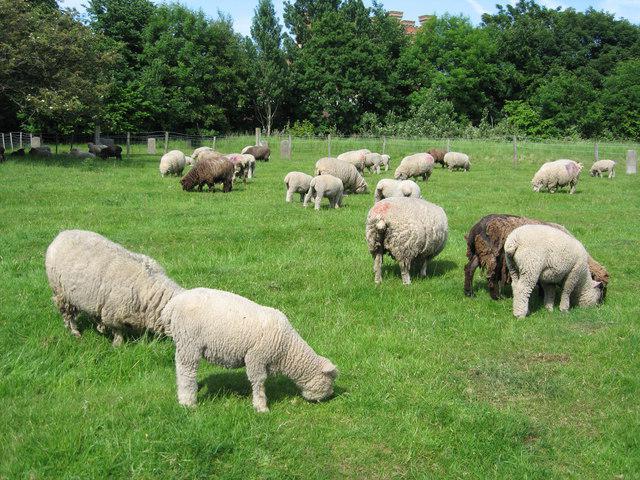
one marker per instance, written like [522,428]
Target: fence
[516,150]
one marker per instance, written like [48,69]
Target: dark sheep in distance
[259,152]
[18,153]
[2,158]
[485,249]
[108,151]
[438,155]
[208,172]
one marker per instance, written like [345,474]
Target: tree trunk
[269,118]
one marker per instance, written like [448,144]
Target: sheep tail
[381,230]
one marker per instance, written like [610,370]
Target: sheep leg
[118,338]
[494,282]
[573,187]
[405,271]
[339,200]
[186,373]
[549,295]
[227,186]
[612,173]
[569,286]
[257,375]
[469,271]
[522,289]
[69,313]
[319,195]
[289,196]
[423,268]
[308,197]
[377,267]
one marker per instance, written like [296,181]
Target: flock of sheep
[122,290]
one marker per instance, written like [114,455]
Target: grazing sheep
[259,152]
[240,166]
[232,331]
[457,161]
[188,160]
[409,229]
[199,151]
[208,172]
[438,155]
[111,151]
[385,160]
[372,162]
[2,157]
[355,158]
[18,153]
[388,188]
[351,178]
[76,153]
[541,253]
[325,186]
[297,182]
[603,166]
[557,174]
[485,249]
[172,163]
[250,161]
[95,148]
[418,165]
[43,151]
[91,274]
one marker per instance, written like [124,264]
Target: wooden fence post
[96,135]
[258,136]
[3,145]
[166,141]
[128,145]
[632,162]
[11,140]
[20,139]
[214,143]
[515,151]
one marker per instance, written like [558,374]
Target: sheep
[240,166]
[111,151]
[603,166]
[457,160]
[172,162]
[95,148]
[409,229]
[372,162]
[18,153]
[438,155]
[198,151]
[387,188]
[208,172]
[2,157]
[355,158]
[485,249]
[43,151]
[232,331]
[418,165]
[91,274]
[541,253]
[251,164]
[325,186]
[557,174]
[188,160]
[259,152]
[76,153]
[385,160]
[351,178]
[297,182]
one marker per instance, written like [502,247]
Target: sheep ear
[329,368]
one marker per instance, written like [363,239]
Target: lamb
[387,188]
[385,160]
[297,182]
[438,155]
[351,178]
[355,158]
[409,229]
[232,331]
[557,174]
[208,172]
[172,163]
[325,186]
[259,152]
[76,153]
[251,164]
[543,253]
[485,249]
[418,165]
[43,151]
[239,165]
[603,166]
[91,274]
[188,160]
[372,162]
[457,161]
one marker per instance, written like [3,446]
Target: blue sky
[242,10]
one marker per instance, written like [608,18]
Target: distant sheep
[199,151]
[388,188]
[232,331]
[172,163]
[351,178]
[602,166]
[540,253]
[188,160]
[557,174]
[111,151]
[17,153]
[325,186]
[259,152]
[95,148]
[2,157]
[418,165]
[355,158]
[121,289]
[409,229]
[209,172]
[43,151]
[457,161]
[438,155]
[297,182]
[384,160]
[76,153]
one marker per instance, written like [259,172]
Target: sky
[242,10]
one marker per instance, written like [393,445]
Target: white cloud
[629,9]
[475,5]
[552,4]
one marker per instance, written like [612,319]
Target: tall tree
[270,69]
[300,15]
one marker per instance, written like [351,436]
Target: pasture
[432,384]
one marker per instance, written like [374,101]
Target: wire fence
[516,150]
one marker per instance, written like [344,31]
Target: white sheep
[541,253]
[355,158]
[199,151]
[232,331]
[603,166]
[172,163]
[457,160]
[385,160]
[76,153]
[388,187]
[243,165]
[297,182]
[557,174]
[408,229]
[89,273]
[250,162]
[372,162]
[351,178]
[418,165]
[188,160]
[325,186]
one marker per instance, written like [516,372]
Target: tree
[269,68]
[621,100]
[300,16]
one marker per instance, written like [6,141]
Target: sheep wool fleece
[232,331]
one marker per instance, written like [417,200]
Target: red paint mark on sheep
[572,168]
[381,208]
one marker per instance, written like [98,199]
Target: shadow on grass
[87,324]
[435,268]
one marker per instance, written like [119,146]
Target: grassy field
[432,384]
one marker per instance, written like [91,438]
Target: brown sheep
[208,172]
[485,249]
[111,151]
[438,155]
[259,152]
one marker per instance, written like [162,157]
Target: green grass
[432,385]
